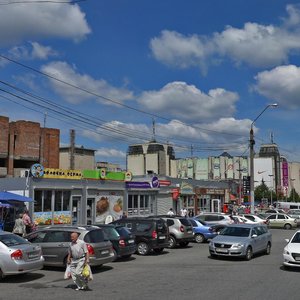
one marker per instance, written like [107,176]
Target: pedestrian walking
[78,257]
[19,227]
[27,221]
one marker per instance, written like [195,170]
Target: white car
[256,219]
[241,220]
[291,252]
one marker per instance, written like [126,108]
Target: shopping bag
[87,272]
[68,272]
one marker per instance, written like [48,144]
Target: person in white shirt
[170,212]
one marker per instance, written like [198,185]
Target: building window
[141,204]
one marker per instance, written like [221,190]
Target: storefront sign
[62,174]
[155,182]
[186,188]
[164,182]
[138,185]
[215,192]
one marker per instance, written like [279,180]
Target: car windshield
[111,233]
[12,240]
[236,231]
[296,238]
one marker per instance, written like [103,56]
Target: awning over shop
[7,196]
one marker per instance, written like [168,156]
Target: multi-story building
[77,158]
[151,157]
[24,143]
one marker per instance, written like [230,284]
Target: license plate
[162,237]
[104,252]
[130,241]
[32,255]
[222,250]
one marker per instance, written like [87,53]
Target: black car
[150,233]
[121,238]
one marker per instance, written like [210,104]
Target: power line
[115,101]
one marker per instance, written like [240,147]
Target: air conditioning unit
[25,173]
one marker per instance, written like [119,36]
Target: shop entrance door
[76,212]
[215,205]
[90,211]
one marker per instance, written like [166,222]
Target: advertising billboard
[263,171]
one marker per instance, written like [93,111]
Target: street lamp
[271,187]
[251,145]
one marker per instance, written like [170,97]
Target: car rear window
[185,222]
[12,240]
[111,233]
[123,231]
[94,236]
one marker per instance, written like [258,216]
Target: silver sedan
[18,256]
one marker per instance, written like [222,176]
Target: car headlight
[236,246]
[285,251]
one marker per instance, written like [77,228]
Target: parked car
[18,256]
[150,233]
[241,241]
[256,218]
[180,230]
[55,240]
[214,218]
[291,252]
[282,221]
[294,213]
[121,238]
[274,211]
[202,231]
[237,219]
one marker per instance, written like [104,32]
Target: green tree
[294,196]
[262,191]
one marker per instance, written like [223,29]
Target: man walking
[78,257]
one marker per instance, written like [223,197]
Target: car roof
[245,225]
[70,227]
[4,232]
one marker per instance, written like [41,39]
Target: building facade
[23,143]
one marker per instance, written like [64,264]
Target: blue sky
[203,70]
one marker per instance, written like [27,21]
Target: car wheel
[268,249]
[172,242]
[199,238]
[158,250]
[248,254]
[183,244]
[142,248]
[287,226]
[115,255]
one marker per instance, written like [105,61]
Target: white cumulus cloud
[281,84]
[187,102]
[65,72]
[275,44]
[26,21]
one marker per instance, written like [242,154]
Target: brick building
[23,143]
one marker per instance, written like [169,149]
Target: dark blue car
[202,231]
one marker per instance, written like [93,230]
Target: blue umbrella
[7,205]
[7,196]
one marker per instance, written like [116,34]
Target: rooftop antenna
[153,130]
[272,138]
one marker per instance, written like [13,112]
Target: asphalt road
[183,273]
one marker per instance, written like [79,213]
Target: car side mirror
[254,236]
[287,240]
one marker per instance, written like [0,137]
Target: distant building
[150,158]
[24,143]
[77,158]
[108,166]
